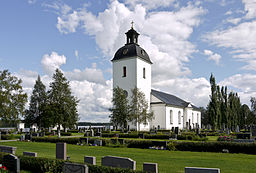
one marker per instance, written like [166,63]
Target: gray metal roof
[171,99]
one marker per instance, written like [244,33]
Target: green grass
[212,138]
[168,161]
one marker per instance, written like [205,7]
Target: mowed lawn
[168,161]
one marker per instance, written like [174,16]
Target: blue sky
[187,41]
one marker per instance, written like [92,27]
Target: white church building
[132,68]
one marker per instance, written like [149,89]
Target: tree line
[135,111]
[55,107]
[225,110]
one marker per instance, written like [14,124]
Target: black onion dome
[131,48]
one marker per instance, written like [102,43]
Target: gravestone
[92,133]
[150,167]
[32,154]
[120,162]
[74,168]
[98,142]
[28,136]
[84,140]
[61,151]
[12,163]
[8,149]
[253,130]
[35,134]
[237,129]
[90,160]
[201,170]
[22,137]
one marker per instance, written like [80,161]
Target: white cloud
[31,1]
[244,84]
[164,34]
[52,61]
[152,4]
[234,21]
[250,8]
[89,74]
[76,54]
[240,39]
[196,90]
[212,56]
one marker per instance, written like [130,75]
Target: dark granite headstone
[32,154]
[120,162]
[61,151]
[150,167]
[74,168]
[12,163]
[201,170]
[90,160]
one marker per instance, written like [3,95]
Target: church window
[179,117]
[124,71]
[144,73]
[192,117]
[197,117]
[171,117]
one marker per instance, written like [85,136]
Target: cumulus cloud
[250,8]
[196,90]
[76,54]
[244,84]
[52,61]
[212,56]
[166,42]
[152,4]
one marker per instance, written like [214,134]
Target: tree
[120,110]
[36,111]
[12,97]
[139,112]
[204,116]
[61,104]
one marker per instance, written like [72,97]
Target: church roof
[131,50]
[171,99]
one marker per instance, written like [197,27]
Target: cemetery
[95,150]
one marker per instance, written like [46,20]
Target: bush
[73,131]
[247,148]
[171,146]
[56,140]
[65,133]
[7,137]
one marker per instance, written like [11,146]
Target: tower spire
[132,24]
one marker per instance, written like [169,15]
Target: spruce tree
[62,105]
[36,111]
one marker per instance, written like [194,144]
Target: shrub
[65,133]
[7,137]
[73,131]
[171,146]
[56,140]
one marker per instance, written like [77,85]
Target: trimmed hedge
[56,140]
[65,133]
[247,148]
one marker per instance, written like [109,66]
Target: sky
[186,41]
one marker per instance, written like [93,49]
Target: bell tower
[132,68]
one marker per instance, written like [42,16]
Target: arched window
[171,117]
[124,71]
[144,73]
[197,118]
[179,117]
[192,117]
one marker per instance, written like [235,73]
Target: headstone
[61,151]
[92,133]
[22,137]
[74,168]
[120,162]
[8,149]
[201,170]
[12,163]
[28,136]
[237,129]
[84,140]
[150,167]
[35,134]
[32,154]
[253,130]
[90,160]
[98,142]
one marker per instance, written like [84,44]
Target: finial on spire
[132,24]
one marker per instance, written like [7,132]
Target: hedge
[42,165]
[247,148]
[56,140]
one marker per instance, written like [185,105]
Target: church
[132,68]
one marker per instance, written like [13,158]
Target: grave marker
[150,167]
[12,163]
[32,154]
[74,168]
[61,151]
[120,162]
[90,160]
[201,170]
